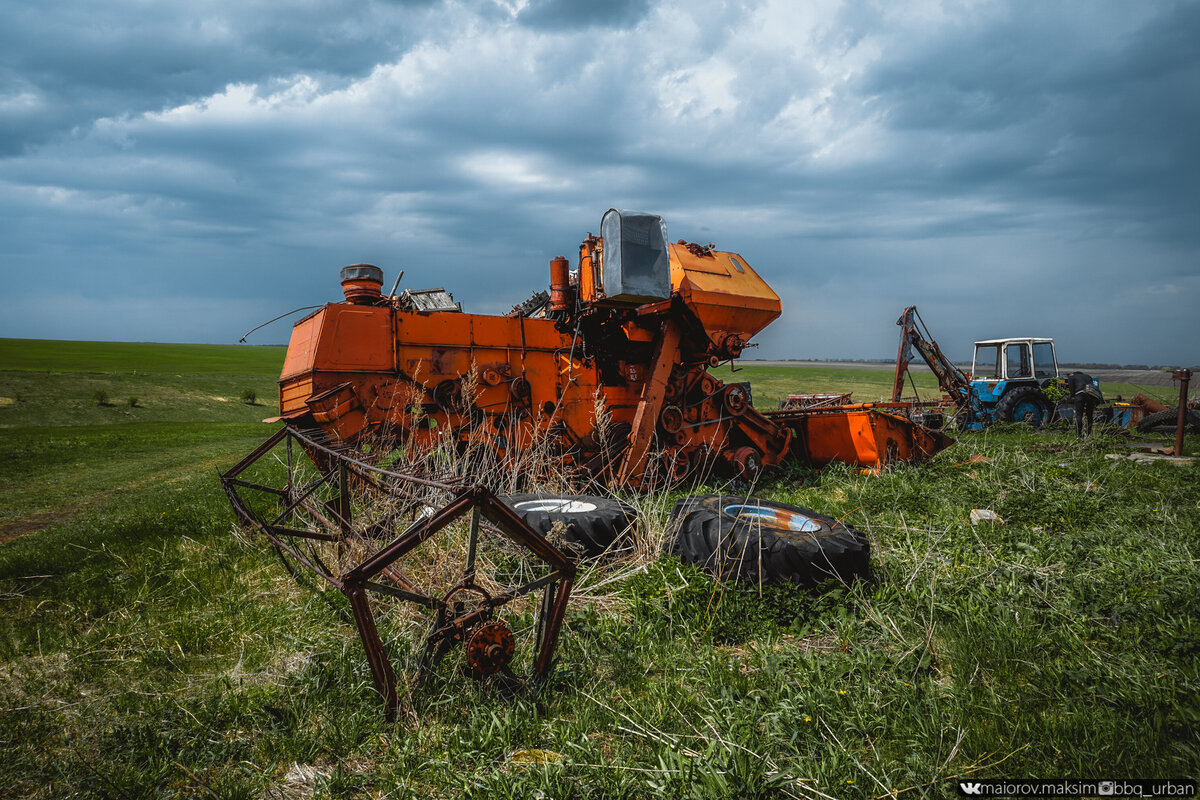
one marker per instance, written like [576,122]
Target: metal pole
[1183,376]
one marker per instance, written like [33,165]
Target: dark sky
[183,172]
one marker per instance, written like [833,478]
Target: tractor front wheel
[1026,405]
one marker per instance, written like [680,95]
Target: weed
[249,397]
[100,397]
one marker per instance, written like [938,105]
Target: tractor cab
[1003,360]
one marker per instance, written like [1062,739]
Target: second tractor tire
[592,524]
[1167,419]
[758,541]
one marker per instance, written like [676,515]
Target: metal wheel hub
[490,648]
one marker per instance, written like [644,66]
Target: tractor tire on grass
[1167,419]
[594,524]
[1026,405]
[753,541]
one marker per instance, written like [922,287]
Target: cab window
[987,362]
[1043,361]
[1017,356]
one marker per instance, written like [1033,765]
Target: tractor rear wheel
[1026,404]
[758,541]
[592,524]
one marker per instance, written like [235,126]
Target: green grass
[149,651]
[47,355]
[90,383]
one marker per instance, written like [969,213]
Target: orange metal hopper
[863,434]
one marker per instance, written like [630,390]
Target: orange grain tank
[630,334]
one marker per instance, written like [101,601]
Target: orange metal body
[864,434]
[352,369]
[374,366]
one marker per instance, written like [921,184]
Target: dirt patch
[32,523]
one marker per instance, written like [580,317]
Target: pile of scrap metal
[403,416]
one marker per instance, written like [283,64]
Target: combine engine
[608,367]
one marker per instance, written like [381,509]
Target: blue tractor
[1011,380]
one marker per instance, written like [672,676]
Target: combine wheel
[593,523]
[755,541]
[1026,405]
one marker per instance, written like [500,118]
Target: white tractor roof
[1030,339]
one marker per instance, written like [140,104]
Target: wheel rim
[557,506]
[776,517]
[1027,411]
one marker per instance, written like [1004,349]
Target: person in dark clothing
[1085,396]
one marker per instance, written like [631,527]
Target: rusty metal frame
[453,622]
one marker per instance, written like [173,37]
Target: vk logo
[970,788]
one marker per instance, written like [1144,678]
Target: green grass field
[149,651]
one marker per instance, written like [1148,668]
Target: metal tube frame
[359,581]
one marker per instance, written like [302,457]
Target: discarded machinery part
[592,523]
[1149,404]
[733,345]
[361,283]
[681,437]
[861,434]
[671,419]
[758,541]
[355,510]
[490,647]
[1026,405]
[490,376]
[748,462]
[520,389]
[803,402]
[1168,419]
[448,394]
[679,464]
[562,294]
[1184,376]
[736,399]
[534,304]
[427,300]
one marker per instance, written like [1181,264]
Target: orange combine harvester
[628,336]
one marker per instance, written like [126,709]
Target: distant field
[772,381]
[97,383]
[46,355]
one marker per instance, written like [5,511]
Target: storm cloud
[184,173]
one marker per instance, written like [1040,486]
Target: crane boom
[914,335]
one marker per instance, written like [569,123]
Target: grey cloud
[79,61]
[569,14]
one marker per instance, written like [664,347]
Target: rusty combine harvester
[608,372]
